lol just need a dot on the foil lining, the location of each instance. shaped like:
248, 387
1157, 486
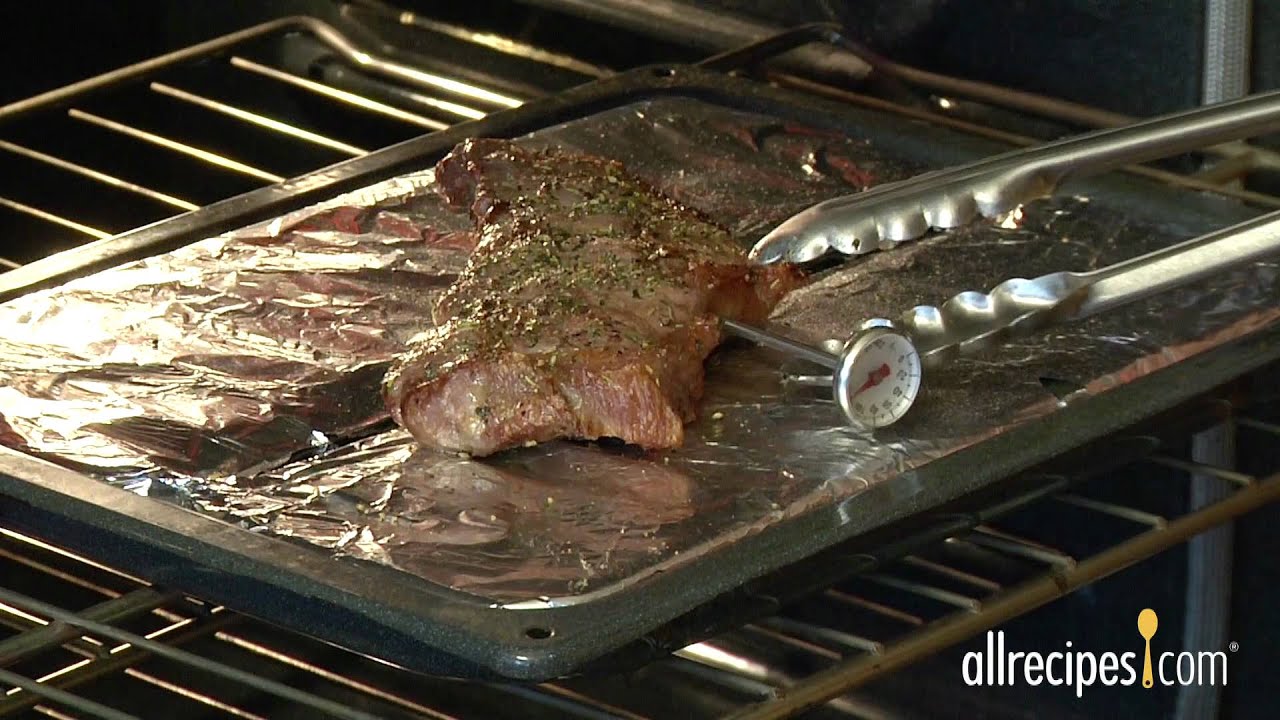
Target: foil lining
238, 376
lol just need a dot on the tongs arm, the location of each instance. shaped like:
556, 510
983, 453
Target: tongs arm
972, 321
896, 212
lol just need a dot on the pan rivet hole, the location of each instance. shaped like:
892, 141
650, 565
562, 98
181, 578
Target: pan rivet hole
539, 633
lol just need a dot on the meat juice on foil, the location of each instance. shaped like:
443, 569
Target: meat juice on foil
238, 376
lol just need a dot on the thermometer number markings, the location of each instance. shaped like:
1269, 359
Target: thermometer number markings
890, 375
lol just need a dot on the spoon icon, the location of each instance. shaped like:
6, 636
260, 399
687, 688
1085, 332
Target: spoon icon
1147, 623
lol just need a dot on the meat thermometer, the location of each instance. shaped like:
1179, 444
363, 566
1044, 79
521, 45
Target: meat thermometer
875, 376
877, 373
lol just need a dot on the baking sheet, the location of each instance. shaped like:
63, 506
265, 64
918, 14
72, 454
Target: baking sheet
238, 376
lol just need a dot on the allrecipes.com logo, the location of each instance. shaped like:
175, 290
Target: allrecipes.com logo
1083, 669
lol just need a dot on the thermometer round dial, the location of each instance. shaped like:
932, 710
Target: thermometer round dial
879, 377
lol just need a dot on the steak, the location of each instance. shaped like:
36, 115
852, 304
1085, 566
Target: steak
585, 310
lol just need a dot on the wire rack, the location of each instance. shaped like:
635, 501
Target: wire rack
116, 647
210, 121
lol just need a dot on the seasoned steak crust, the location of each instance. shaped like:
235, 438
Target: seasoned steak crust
585, 310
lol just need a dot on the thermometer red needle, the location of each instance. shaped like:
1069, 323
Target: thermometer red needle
874, 378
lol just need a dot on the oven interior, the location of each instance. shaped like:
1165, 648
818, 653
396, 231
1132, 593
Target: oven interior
108, 157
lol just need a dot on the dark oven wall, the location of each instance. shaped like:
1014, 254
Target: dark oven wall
1139, 58
65, 42
62, 42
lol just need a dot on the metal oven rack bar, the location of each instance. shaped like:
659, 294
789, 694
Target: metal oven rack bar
129, 628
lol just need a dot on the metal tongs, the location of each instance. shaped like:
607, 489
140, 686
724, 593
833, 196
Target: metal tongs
876, 374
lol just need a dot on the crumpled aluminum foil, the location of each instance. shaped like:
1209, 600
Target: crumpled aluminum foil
239, 375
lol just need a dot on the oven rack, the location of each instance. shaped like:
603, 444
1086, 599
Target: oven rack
236, 113
67, 660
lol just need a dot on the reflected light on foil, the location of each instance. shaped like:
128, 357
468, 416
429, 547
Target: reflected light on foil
1011, 220
712, 656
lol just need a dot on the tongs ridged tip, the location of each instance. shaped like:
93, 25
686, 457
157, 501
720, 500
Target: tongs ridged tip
971, 321
808, 236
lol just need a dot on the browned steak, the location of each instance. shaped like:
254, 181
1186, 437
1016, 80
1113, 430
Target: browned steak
585, 311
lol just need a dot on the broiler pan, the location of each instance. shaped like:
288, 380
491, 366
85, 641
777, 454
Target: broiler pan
771, 492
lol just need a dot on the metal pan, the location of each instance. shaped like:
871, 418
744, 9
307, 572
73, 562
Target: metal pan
429, 627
